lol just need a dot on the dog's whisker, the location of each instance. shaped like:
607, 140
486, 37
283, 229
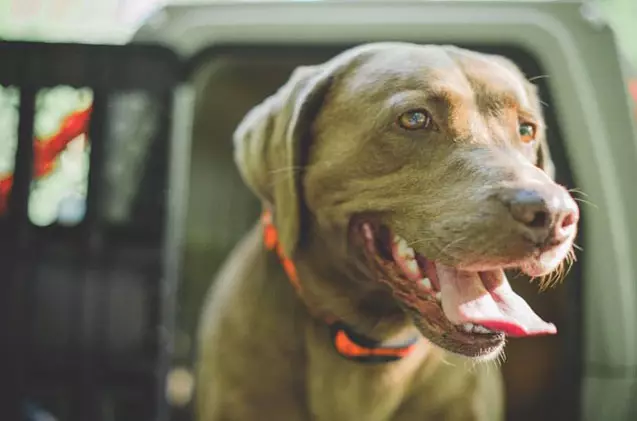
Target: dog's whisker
546, 281
493, 365
414, 244
470, 365
517, 275
446, 249
429, 240
578, 191
534, 78
569, 266
445, 361
497, 362
586, 202
571, 254
575, 192
556, 276
484, 248
502, 357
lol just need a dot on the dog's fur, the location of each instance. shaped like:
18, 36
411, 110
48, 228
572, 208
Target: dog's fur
324, 149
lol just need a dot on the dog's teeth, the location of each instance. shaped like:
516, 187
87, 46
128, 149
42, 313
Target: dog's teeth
409, 253
438, 295
403, 248
411, 265
473, 328
401, 243
367, 232
481, 329
426, 283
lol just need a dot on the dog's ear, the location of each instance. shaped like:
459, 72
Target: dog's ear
270, 143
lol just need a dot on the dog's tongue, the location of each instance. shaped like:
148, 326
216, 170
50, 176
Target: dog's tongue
486, 298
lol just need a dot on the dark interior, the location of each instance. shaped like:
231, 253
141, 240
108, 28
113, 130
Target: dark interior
229, 80
93, 288
82, 317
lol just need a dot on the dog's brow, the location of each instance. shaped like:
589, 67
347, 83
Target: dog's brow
445, 96
505, 99
428, 96
508, 98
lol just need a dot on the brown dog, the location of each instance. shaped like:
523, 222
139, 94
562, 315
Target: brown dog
402, 180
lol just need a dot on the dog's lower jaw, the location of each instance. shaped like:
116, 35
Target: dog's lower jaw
486, 354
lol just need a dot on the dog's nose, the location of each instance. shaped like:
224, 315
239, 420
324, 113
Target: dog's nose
548, 218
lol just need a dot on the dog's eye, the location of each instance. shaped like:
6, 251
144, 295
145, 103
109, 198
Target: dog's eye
527, 132
415, 120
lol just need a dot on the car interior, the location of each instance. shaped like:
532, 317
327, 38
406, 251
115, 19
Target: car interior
102, 311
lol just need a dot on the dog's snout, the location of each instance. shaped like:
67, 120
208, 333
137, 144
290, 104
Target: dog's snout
546, 217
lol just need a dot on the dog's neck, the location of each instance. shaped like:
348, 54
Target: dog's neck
347, 342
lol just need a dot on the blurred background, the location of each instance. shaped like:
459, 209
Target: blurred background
115, 323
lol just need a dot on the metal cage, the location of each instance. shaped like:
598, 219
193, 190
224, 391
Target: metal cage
86, 304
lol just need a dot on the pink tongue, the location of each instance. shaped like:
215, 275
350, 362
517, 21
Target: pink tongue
486, 298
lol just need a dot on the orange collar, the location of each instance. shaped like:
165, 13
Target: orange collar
347, 343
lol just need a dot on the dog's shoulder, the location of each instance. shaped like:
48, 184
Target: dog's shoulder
250, 288
247, 339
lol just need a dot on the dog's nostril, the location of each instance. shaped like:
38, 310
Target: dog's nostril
540, 219
566, 219
569, 219
530, 208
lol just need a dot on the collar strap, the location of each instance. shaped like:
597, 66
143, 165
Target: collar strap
348, 343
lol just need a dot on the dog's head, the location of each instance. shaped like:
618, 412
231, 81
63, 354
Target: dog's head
426, 166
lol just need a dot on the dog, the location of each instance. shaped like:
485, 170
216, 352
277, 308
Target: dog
398, 182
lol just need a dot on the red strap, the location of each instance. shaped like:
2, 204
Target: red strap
342, 341
271, 241
345, 346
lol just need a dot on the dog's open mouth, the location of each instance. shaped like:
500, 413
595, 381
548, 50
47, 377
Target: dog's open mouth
468, 313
